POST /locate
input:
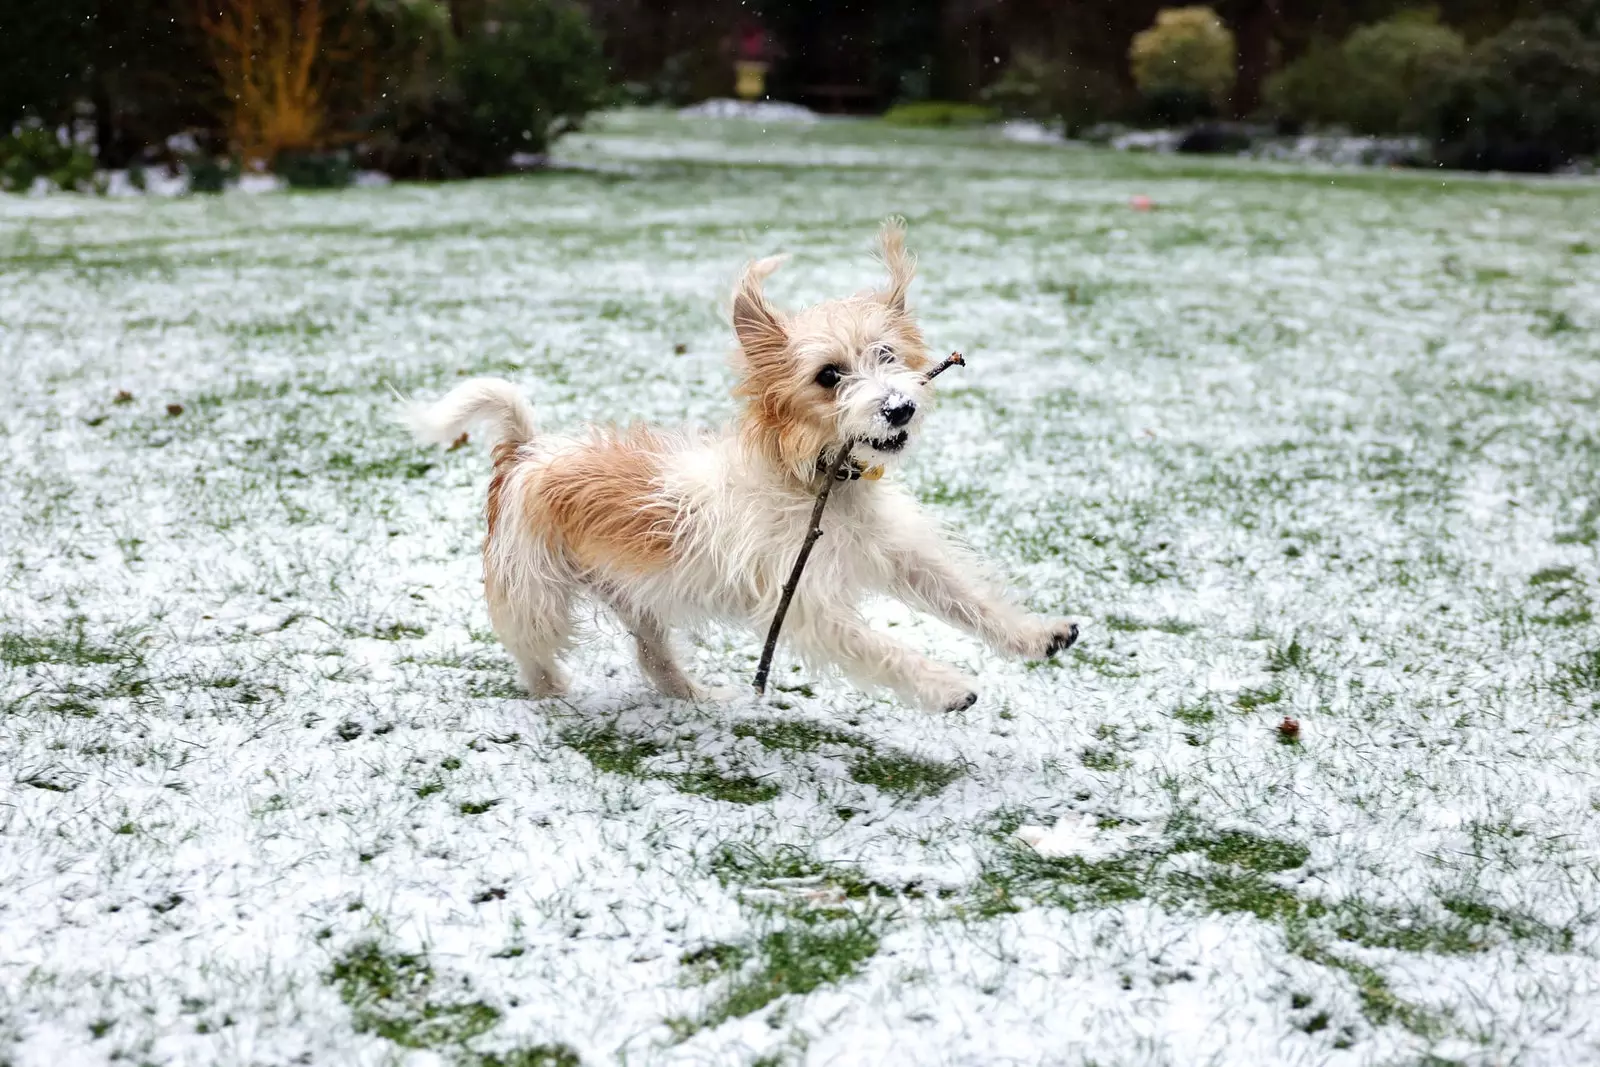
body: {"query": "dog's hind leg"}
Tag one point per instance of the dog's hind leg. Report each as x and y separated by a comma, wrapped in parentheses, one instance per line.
(535, 625)
(654, 646)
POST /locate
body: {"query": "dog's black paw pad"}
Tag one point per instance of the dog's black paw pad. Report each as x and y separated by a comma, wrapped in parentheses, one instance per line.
(1062, 642)
(963, 703)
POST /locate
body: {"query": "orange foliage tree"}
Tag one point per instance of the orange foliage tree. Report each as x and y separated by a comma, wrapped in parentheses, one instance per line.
(276, 60)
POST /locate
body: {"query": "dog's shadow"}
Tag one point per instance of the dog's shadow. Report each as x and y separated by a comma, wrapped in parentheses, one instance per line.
(743, 751)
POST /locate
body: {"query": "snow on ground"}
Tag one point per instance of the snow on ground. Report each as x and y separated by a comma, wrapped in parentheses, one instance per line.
(1292, 443)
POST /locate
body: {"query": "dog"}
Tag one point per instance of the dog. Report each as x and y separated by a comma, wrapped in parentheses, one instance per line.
(672, 528)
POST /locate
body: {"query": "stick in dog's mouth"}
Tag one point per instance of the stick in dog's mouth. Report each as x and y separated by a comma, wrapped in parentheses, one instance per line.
(954, 359)
(887, 444)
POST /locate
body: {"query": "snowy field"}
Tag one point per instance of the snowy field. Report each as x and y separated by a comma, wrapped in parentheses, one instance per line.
(1322, 445)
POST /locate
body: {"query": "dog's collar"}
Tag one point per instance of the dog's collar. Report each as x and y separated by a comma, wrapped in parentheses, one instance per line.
(851, 471)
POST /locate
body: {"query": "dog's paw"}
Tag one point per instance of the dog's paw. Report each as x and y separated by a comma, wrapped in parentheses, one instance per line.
(1063, 635)
(963, 702)
(545, 684)
(947, 690)
(1043, 639)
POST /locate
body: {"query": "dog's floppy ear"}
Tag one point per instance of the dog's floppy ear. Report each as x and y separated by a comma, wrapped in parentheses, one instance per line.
(902, 265)
(755, 322)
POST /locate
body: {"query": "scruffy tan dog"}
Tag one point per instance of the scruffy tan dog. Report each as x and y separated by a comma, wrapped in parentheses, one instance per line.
(672, 528)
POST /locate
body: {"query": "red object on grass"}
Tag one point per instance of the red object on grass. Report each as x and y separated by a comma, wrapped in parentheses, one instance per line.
(1141, 203)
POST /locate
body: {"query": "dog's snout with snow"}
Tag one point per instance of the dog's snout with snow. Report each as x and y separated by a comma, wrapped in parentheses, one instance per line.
(898, 409)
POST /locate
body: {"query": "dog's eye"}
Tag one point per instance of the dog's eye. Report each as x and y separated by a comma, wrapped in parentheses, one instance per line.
(828, 376)
(885, 353)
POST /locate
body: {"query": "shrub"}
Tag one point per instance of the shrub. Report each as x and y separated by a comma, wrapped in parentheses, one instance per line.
(1390, 67)
(1376, 82)
(209, 175)
(1184, 62)
(1035, 87)
(314, 170)
(528, 73)
(43, 55)
(1307, 90)
(1524, 100)
(1217, 138)
(34, 152)
(426, 134)
(940, 113)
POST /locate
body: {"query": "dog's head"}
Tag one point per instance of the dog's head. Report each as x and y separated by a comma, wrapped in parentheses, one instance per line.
(847, 370)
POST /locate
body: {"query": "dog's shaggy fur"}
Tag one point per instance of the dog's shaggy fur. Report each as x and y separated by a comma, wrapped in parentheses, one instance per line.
(671, 528)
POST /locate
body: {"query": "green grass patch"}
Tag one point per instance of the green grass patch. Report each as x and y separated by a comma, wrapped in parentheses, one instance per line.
(1100, 759)
(903, 775)
(897, 773)
(1579, 677)
(796, 735)
(1251, 699)
(731, 788)
(1197, 714)
(612, 751)
(72, 647)
(75, 680)
(1379, 1003)
(392, 995)
(403, 465)
(940, 114)
(532, 1056)
(1291, 657)
(796, 960)
(711, 961)
(1247, 850)
(1239, 878)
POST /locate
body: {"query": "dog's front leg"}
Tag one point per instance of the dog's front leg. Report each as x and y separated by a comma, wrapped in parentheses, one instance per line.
(929, 578)
(870, 659)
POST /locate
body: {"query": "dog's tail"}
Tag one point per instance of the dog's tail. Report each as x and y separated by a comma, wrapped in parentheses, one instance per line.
(493, 403)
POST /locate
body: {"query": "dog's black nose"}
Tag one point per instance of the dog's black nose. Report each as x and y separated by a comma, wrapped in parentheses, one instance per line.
(899, 411)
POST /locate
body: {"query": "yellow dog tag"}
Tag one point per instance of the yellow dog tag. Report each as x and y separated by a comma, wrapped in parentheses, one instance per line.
(872, 474)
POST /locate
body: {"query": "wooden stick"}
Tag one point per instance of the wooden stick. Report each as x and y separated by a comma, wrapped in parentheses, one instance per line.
(954, 359)
(812, 534)
(833, 474)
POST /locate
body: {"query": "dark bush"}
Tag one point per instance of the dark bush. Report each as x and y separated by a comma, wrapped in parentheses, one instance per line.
(209, 175)
(1527, 99)
(1173, 106)
(1391, 67)
(34, 152)
(1036, 87)
(314, 170)
(1306, 91)
(1218, 138)
(529, 71)
(43, 54)
(132, 66)
(1375, 82)
(426, 134)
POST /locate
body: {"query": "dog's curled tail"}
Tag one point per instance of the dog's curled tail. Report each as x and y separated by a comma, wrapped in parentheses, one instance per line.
(492, 403)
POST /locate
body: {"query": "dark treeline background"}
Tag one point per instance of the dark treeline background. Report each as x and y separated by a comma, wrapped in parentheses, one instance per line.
(457, 88)
(866, 56)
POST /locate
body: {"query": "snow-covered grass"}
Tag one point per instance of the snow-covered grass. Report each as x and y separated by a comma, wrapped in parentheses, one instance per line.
(1295, 443)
